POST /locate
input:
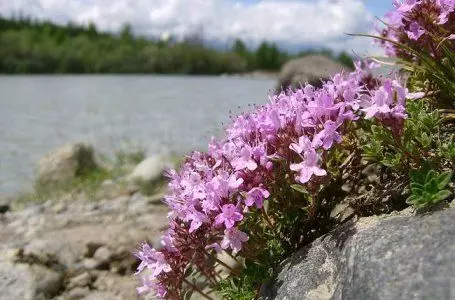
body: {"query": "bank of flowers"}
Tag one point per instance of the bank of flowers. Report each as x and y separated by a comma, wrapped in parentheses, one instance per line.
(258, 193)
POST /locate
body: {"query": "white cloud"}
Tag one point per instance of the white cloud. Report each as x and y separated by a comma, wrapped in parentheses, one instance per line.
(315, 23)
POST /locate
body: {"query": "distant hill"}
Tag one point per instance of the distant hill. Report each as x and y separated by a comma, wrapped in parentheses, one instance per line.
(31, 46)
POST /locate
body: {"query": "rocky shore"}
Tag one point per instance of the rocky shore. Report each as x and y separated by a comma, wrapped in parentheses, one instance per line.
(74, 245)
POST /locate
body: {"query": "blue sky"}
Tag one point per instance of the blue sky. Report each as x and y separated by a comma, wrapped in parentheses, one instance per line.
(291, 23)
(378, 7)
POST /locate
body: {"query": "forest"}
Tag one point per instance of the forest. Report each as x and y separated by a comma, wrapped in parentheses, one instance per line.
(29, 46)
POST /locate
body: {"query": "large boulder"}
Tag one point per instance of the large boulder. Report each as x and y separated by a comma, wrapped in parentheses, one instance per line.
(309, 69)
(65, 163)
(404, 256)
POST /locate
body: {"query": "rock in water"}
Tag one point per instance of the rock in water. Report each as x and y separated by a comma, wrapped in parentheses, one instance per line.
(311, 69)
(65, 163)
(393, 257)
(150, 169)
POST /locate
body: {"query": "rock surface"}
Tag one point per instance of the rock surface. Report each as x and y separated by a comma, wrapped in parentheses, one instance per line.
(400, 256)
(311, 69)
(76, 249)
(65, 163)
(150, 169)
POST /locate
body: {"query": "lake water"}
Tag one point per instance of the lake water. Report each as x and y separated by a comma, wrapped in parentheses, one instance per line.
(159, 113)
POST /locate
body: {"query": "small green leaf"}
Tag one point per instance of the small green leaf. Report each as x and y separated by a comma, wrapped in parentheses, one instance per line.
(443, 179)
(441, 195)
(431, 186)
(417, 176)
(416, 186)
(412, 199)
(299, 188)
(430, 175)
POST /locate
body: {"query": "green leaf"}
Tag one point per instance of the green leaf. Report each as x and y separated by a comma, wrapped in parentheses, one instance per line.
(412, 199)
(299, 188)
(431, 175)
(441, 195)
(417, 176)
(431, 186)
(444, 179)
(416, 187)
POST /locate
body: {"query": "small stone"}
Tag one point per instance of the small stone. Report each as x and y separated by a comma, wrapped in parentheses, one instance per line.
(108, 183)
(91, 248)
(81, 280)
(59, 208)
(102, 296)
(90, 263)
(150, 169)
(102, 254)
(48, 282)
(78, 293)
(10, 254)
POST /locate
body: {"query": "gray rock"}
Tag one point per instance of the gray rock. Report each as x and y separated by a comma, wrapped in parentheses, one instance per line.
(102, 254)
(16, 282)
(47, 282)
(103, 296)
(401, 256)
(65, 163)
(81, 280)
(124, 287)
(150, 169)
(309, 69)
(25, 282)
(78, 293)
(90, 263)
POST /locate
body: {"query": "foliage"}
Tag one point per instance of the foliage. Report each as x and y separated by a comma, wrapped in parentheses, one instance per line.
(428, 187)
(28, 46)
(270, 185)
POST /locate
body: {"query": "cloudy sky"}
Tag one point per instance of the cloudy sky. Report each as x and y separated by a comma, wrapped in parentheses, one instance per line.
(291, 23)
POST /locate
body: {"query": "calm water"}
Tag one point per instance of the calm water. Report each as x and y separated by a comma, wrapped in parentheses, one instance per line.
(160, 113)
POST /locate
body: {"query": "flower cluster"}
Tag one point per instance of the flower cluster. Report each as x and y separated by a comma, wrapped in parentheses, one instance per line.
(418, 24)
(213, 193)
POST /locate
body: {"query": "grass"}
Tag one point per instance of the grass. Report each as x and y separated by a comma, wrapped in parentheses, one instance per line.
(90, 184)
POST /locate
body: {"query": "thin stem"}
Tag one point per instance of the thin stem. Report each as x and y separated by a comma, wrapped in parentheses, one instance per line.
(195, 288)
(223, 263)
(269, 222)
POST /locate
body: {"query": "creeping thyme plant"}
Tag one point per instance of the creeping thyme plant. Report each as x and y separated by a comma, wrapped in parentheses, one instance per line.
(271, 184)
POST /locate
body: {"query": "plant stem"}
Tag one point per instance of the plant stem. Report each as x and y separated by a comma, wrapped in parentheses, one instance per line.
(269, 222)
(195, 288)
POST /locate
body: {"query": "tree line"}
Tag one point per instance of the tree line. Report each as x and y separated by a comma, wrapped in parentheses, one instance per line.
(33, 46)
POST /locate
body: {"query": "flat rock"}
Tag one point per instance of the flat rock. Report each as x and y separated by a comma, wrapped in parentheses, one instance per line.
(402, 256)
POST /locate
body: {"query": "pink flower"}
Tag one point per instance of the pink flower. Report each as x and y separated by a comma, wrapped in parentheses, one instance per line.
(234, 238)
(151, 284)
(196, 218)
(308, 167)
(328, 135)
(256, 196)
(415, 31)
(244, 160)
(228, 216)
(153, 260)
(303, 145)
